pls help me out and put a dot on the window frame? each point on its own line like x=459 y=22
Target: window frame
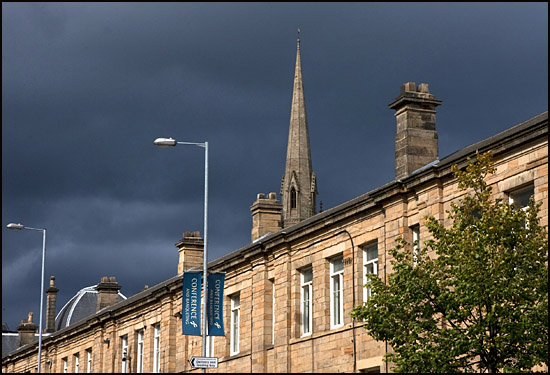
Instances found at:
x=293 y=198
x=124 y=347
x=516 y=191
x=306 y=285
x=140 y=347
x=156 y=348
x=415 y=229
x=89 y=360
x=336 y=296
x=65 y=362
x=234 y=347
x=272 y=311
x=367 y=292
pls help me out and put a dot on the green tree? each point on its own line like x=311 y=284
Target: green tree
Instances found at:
x=476 y=296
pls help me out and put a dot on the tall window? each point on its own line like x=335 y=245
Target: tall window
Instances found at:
x=76 y=363
x=272 y=281
x=520 y=197
x=416 y=242
x=156 y=348
x=370 y=268
x=64 y=360
x=336 y=292
x=292 y=198
x=124 y=354
x=235 y=318
x=140 y=351
x=306 y=306
x=89 y=360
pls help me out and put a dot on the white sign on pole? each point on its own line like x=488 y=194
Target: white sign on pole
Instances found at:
x=204 y=362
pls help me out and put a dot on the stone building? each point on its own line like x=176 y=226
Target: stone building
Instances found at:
x=288 y=294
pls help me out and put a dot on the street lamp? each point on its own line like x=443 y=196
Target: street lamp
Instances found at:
x=20 y=227
x=170 y=142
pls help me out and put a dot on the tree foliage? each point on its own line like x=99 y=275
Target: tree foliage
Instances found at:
x=476 y=297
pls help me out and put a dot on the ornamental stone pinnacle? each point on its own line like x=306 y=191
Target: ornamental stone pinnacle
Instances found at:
x=298 y=185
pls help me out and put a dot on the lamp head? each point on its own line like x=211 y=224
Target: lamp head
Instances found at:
x=165 y=142
x=15 y=226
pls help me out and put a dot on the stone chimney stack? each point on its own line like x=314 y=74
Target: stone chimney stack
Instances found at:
x=27 y=330
x=191 y=250
x=107 y=292
x=416 y=141
x=266 y=215
x=50 y=305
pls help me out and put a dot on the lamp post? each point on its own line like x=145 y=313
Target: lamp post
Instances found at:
x=20 y=227
x=170 y=142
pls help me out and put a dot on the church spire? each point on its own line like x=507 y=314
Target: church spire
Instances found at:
x=298 y=186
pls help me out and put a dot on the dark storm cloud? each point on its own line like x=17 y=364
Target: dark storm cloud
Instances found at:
x=87 y=87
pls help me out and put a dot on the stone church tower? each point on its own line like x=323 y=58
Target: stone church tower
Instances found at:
x=298 y=186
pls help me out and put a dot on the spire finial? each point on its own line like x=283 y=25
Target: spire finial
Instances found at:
x=298 y=37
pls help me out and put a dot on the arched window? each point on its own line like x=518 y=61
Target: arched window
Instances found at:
x=292 y=197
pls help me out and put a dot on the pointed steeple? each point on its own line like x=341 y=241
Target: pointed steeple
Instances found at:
x=298 y=186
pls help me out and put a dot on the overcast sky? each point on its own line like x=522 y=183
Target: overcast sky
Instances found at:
x=86 y=88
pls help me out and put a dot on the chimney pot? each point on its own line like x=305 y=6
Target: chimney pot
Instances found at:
x=408 y=87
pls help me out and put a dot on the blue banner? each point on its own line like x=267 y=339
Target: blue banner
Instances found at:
x=191 y=303
x=215 y=304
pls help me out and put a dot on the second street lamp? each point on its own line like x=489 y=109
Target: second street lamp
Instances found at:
x=170 y=142
x=20 y=227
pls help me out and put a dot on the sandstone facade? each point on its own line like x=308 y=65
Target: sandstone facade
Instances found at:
x=266 y=277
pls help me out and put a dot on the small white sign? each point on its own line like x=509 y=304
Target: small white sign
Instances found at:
x=204 y=362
